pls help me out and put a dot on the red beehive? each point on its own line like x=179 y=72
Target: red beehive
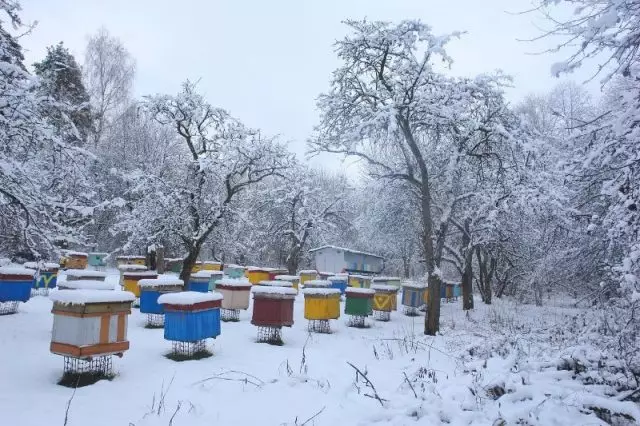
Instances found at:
x=272 y=306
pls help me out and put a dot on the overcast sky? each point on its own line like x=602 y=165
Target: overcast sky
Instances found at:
x=266 y=61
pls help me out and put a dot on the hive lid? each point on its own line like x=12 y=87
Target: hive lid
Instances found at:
x=361 y=277
x=86 y=273
x=382 y=278
x=317 y=283
x=30 y=265
x=233 y=265
x=188 y=298
x=141 y=273
x=85 y=296
x=259 y=289
x=259 y=269
x=413 y=284
x=234 y=282
x=308 y=271
x=99 y=253
x=320 y=291
x=359 y=290
x=162 y=280
x=51 y=265
x=16 y=270
x=128 y=268
x=338 y=278
x=131 y=257
x=276 y=283
x=86 y=284
x=206 y=274
x=383 y=287
x=210 y=262
x=287 y=277
x=76 y=253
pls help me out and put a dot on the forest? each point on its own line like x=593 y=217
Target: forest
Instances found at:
x=528 y=205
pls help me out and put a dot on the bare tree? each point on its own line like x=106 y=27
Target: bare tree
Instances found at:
x=109 y=73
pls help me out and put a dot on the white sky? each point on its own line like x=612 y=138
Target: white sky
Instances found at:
x=266 y=61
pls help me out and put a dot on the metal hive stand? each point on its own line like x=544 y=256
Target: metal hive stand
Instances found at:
x=8 y=308
x=357 y=321
x=382 y=315
x=155 y=321
x=410 y=311
x=82 y=372
x=230 y=314
x=271 y=335
x=319 y=326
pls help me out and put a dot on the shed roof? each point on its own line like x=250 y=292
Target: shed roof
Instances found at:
x=348 y=250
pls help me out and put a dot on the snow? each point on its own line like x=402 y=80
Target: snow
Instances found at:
x=162 y=280
x=140 y=273
x=126 y=268
x=30 y=265
x=308 y=271
x=320 y=291
x=317 y=283
x=76 y=253
x=15 y=270
x=86 y=296
x=85 y=284
x=287 y=277
x=338 y=278
x=259 y=269
x=259 y=289
x=211 y=262
x=345 y=250
x=234 y=282
x=276 y=283
x=51 y=265
x=360 y=290
x=234 y=266
x=413 y=284
x=207 y=274
x=382 y=278
x=131 y=257
x=85 y=273
x=188 y=298
x=383 y=287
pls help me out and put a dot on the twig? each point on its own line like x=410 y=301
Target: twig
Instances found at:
x=410 y=385
x=313 y=417
x=257 y=383
x=66 y=412
x=369 y=384
x=175 y=412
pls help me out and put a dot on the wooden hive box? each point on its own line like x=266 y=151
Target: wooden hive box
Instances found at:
x=293 y=279
x=321 y=303
x=75 y=260
x=152 y=288
x=308 y=275
x=272 y=306
x=256 y=274
x=359 y=301
x=235 y=292
x=88 y=323
x=85 y=275
x=130 y=260
x=413 y=294
x=385 y=298
x=339 y=282
x=191 y=316
x=16 y=283
x=234 y=271
x=131 y=279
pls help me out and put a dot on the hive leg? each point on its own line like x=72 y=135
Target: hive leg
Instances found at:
x=382 y=315
x=8 y=308
x=319 y=326
x=271 y=335
x=410 y=311
x=357 y=321
x=155 y=321
x=182 y=351
x=230 y=315
x=82 y=372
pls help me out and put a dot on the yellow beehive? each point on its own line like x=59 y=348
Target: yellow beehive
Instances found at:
x=131 y=279
x=75 y=260
x=321 y=303
x=256 y=275
x=386 y=298
x=308 y=275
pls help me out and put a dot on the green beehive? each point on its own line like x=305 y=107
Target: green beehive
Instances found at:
x=358 y=305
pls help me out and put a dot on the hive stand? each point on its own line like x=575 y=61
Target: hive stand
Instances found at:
x=272 y=310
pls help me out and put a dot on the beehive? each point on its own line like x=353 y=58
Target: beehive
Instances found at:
x=320 y=306
x=358 y=305
x=273 y=272
x=384 y=301
x=131 y=279
x=359 y=281
x=235 y=292
x=97 y=260
x=272 y=310
x=339 y=282
x=46 y=276
x=293 y=279
x=413 y=297
x=256 y=274
x=206 y=265
x=15 y=287
x=129 y=268
x=308 y=275
x=190 y=318
x=89 y=323
x=75 y=260
x=84 y=285
x=150 y=290
x=325 y=275
x=173 y=264
x=317 y=284
x=85 y=274
x=130 y=260
x=199 y=281
x=234 y=271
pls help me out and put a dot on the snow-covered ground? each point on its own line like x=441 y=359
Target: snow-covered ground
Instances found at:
x=456 y=378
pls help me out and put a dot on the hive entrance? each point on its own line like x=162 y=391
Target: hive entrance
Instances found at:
x=7 y=308
x=230 y=314
x=382 y=315
x=271 y=335
x=183 y=351
x=155 y=321
x=319 y=326
x=84 y=372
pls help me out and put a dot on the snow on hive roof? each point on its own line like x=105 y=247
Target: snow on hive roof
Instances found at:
x=16 y=270
x=386 y=279
x=99 y=253
x=140 y=273
x=30 y=265
x=320 y=291
x=276 y=283
x=317 y=283
x=131 y=257
x=233 y=265
x=234 y=282
x=51 y=265
x=210 y=262
x=85 y=273
x=360 y=290
x=4 y=261
x=126 y=268
x=162 y=280
x=287 y=277
x=188 y=298
x=338 y=278
x=308 y=271
x=84 y=296
x=76 y=253
x=257 y=268
x=206 y=274
x=263 y=289
x=383 y=287
x=346 y=250
x=85 y=284
x=413 y=284
x=360 y=277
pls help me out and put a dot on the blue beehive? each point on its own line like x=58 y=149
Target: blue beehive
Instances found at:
x=199 y=282
x=150 y=291
x=457 y=291
x=339 y=282
x=15 y=286
x=413 y=294
x=191 y=316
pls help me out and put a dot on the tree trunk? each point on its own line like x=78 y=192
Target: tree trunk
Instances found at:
x=467 y=275
x=160 y=260
x=292 y=263
x=189 y=262
x=406 y=264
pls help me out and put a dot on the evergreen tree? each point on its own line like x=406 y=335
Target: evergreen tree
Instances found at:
x=62 y=81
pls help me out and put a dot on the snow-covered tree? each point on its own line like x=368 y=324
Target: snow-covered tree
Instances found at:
x=224 y=159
